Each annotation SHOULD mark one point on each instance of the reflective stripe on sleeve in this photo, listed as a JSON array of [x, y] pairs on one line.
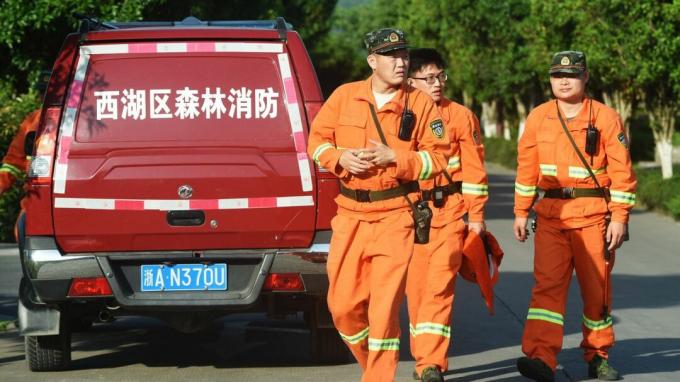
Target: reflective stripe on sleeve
[[525, 190], [319, 150], [454, 163], [426, 169], [6, 167], [356, 338], [378, 344], [545, 315], [475, 189], [597, 325], [548, 169], [622, 197]]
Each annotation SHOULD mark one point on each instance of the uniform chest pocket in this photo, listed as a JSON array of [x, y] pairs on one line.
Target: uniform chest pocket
[[351, 132], [546, 140], [392, 135]]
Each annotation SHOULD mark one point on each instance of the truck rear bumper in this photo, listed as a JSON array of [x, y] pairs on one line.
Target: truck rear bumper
[[50, 272]]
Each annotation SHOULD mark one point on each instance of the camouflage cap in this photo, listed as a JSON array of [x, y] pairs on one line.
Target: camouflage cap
[[385, 40], [569, 61]]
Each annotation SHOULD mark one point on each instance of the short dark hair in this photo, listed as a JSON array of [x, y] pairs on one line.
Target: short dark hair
[[419, 58]]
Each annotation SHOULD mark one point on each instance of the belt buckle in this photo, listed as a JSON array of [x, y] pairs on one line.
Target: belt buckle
[[568, 193], [363, 196]]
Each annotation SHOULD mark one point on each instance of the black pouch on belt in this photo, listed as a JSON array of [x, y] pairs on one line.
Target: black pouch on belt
[[422, 217]]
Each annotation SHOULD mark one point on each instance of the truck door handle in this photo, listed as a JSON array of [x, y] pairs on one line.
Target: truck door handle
[[186, 218]]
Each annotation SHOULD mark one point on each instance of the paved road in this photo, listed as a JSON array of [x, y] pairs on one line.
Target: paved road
[[250, 347]]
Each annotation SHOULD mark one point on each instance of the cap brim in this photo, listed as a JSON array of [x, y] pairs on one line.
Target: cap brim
[[391, 48], [567, 70]]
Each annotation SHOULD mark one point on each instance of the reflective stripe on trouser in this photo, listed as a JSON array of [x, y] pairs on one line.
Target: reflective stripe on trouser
[[370, 259], [558, 253], [429, 292]]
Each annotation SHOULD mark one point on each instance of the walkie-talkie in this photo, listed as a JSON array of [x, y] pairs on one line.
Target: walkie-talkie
[[592, 136]]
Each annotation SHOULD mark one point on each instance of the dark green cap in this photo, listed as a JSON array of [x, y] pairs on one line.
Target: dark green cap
[[569, 61], [385, 40]]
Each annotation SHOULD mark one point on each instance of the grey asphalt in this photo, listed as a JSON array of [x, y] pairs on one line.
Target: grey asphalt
[[646, 280]]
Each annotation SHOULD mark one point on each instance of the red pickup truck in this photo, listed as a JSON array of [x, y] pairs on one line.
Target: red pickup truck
[[170, 178]]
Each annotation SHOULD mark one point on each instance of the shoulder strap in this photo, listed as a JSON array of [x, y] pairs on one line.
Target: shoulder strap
[[573, 144], [376, 122], [377, 125]]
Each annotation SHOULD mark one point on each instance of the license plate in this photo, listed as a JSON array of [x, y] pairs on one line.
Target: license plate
[[183, 277]]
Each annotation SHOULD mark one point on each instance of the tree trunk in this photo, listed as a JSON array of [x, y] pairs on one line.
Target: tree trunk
[[489, 119], [662, 118], [665, 150], [522, 114], [468, 101], [623, 105]]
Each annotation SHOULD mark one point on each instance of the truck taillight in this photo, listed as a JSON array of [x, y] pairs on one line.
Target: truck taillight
[[89, 287], [286, 282], [40, 170]]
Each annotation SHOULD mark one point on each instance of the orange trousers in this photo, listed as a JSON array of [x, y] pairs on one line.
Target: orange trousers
[[558, 252], [367, 266], [430, 286]]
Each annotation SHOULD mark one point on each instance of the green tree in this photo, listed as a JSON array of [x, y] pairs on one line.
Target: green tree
[[659, 74]]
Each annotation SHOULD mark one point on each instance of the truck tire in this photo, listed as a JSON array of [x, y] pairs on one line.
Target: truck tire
[[48, 353], [328, 347]]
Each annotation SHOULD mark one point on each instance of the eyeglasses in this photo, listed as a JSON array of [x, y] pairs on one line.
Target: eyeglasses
[[442, 77]]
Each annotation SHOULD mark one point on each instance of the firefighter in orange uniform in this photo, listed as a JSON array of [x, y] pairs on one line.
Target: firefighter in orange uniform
[[373, 231], [431, 274], [15, 163], [581, 218]]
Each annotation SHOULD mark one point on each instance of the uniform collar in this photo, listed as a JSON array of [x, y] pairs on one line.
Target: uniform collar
[[583, 114], [444, 110], [365, 93]]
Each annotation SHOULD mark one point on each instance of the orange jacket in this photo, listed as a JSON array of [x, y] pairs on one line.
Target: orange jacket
[[466, 164], [547, 160], [345, 122], [15, 163]]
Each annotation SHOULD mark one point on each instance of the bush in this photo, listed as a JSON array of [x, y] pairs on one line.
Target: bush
[[501, 151], [659, 194]]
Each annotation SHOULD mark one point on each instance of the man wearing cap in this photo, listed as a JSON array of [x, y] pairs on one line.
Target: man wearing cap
[[373, 231], [581, 216], [461, 189]]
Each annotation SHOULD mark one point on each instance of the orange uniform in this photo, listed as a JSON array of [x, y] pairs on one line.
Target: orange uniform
[[431, 274], [570, 233], [15, 163], [372, 241]]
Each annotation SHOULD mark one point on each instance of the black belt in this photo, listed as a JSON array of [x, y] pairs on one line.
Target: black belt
[[449, 189], [365, 196], [572, 193]]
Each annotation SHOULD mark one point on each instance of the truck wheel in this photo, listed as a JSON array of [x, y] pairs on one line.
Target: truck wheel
[[47, 353], [328, 347]]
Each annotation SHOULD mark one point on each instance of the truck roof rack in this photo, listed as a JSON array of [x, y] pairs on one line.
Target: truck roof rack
[[89, 24]]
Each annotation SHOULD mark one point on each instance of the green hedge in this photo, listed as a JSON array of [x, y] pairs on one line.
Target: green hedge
[[501, 151], [659, 194]]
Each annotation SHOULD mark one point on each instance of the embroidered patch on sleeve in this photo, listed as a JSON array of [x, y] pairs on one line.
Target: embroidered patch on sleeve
[[623, 140], [476, 137], [437, 127]]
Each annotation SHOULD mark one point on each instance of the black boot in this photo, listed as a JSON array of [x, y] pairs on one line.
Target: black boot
[[431, 374], [535, 369], [599, 368]]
